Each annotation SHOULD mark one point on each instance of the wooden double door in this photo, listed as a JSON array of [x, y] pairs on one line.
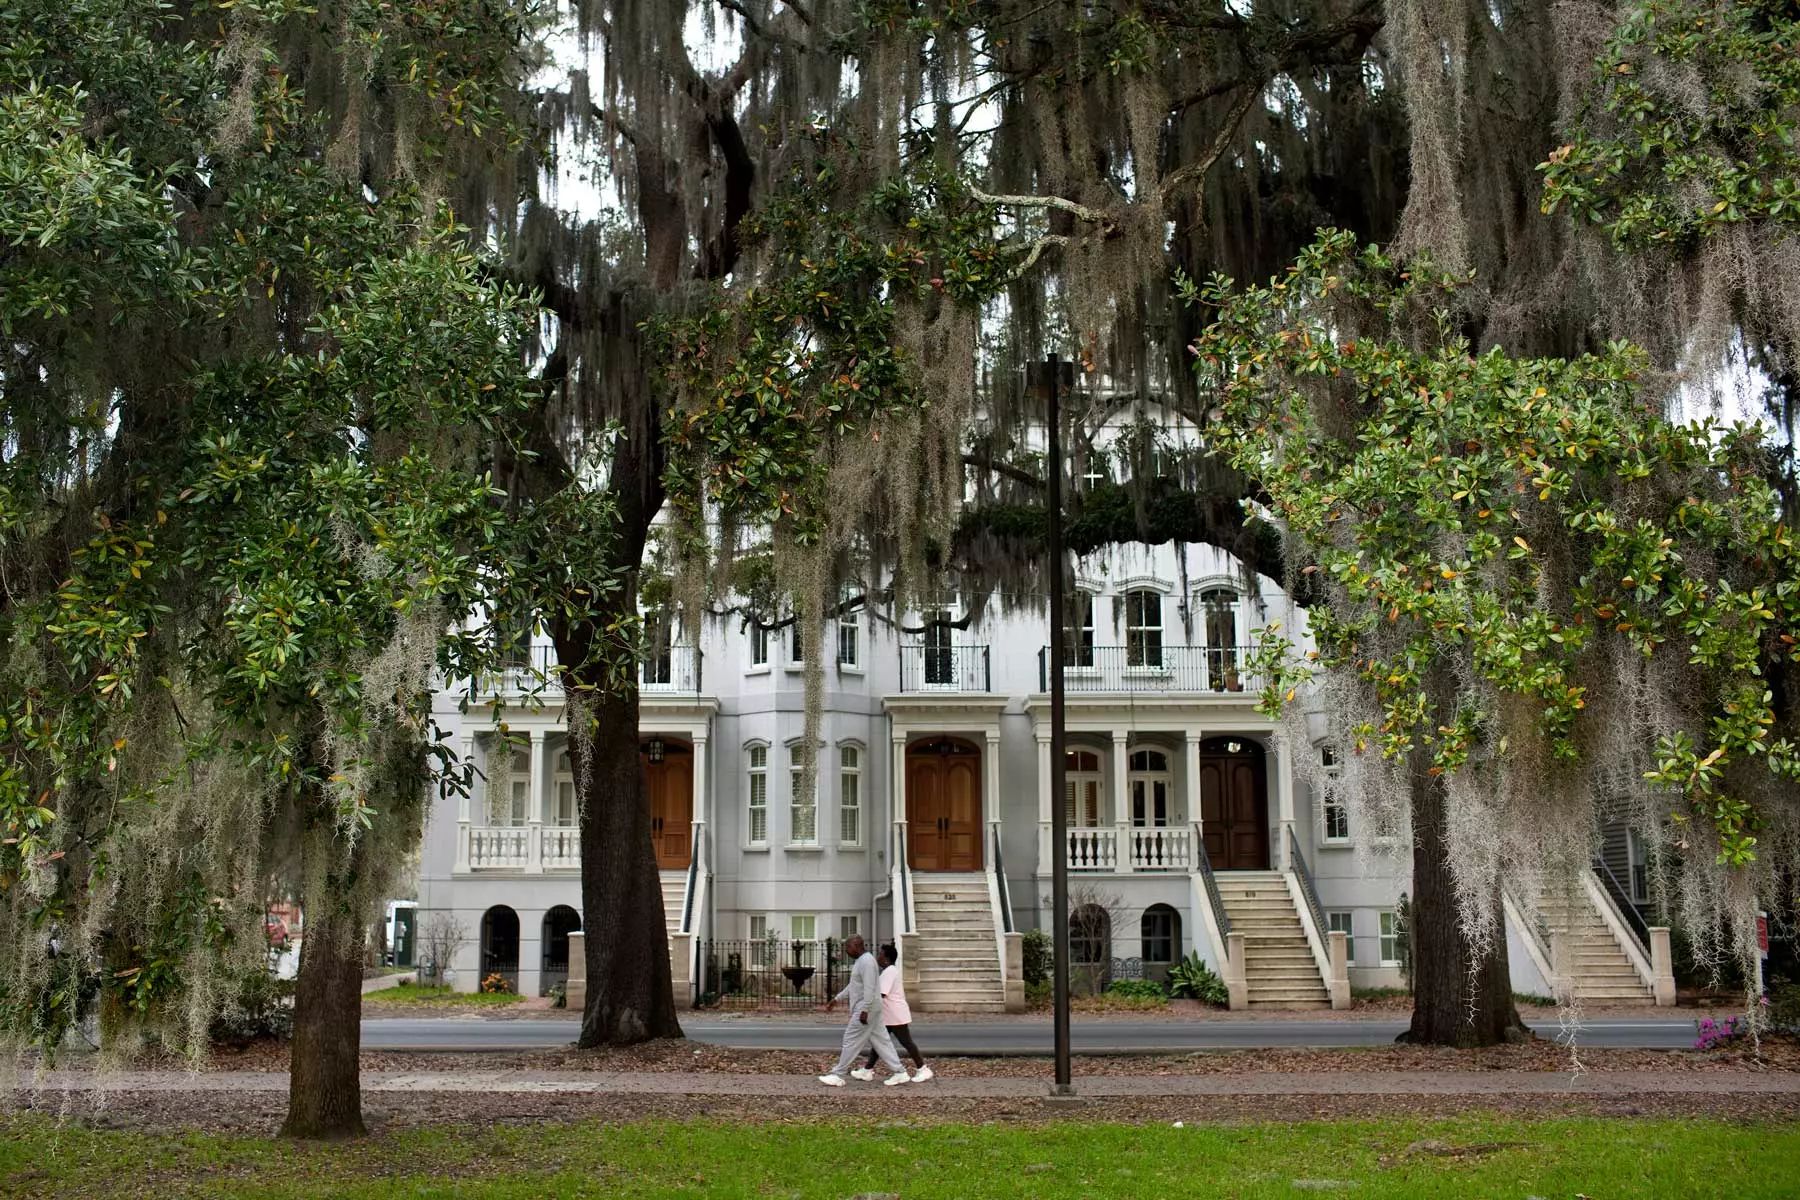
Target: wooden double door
[[1234, 804], [670, 784], [943, 806]]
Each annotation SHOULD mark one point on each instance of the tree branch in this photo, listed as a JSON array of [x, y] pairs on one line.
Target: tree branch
[[983, 462], [1221, 142], [1060, 203]]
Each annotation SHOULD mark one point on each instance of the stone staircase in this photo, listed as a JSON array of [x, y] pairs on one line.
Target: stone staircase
[[1279, 970], [674, 888], [957, 961], [1591, 954]]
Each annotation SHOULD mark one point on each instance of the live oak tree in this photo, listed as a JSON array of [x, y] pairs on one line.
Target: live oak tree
[[1542, 601], [250, 373]]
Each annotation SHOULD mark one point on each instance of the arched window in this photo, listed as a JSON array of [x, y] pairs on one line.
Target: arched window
[[1151, 787], [1090, 935], [1143, 628], [1160, 930], [756, 823], [1082, 788], [849, 795]]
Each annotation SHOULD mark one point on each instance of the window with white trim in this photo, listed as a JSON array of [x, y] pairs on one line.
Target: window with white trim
[[849, 926], [1150, 784], [759, 646], [849, 630], [1218, 622], [1159, 932], [568, 811], [849, 796], [1143, 628], [1334, 815], [803, 804], [803, 928], [510, 803], [763, 951], [757, 825], [1082, 788], [759, 927], [796, 644], [1390, 938], [940, 650], [1341, 921], [1078, 634], [1094, 470], [658, 666]]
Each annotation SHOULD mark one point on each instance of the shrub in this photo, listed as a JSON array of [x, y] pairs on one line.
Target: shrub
[[1041, 992], [1714, 1034], [559, 996], [497, 985], [1193, 979], [1039, 956], [1784, 1007], [1137, 989], [263, 1008]]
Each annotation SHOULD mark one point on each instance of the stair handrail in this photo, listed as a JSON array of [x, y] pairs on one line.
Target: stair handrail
[[693, 877], [1213, 899], [903, 903], [1303, 875], [1621, 901], [1006, 914]]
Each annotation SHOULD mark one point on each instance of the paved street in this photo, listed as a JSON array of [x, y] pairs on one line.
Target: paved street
[[1024, 1037]]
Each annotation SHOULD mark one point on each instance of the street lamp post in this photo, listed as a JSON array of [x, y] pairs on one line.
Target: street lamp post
[[1052, 376]]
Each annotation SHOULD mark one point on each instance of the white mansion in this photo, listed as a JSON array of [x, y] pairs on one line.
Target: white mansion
[[1190, 829]]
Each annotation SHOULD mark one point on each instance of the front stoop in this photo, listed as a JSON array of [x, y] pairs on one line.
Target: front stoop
[[956, 961], [1279, 970]]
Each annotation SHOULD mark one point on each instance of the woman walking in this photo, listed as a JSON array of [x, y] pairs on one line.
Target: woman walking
[[896, 1015]]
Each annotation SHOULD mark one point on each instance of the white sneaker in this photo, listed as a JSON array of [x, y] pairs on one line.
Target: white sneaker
[[922, 1074], [832, 1080], [862, 1073], [897, 1080]]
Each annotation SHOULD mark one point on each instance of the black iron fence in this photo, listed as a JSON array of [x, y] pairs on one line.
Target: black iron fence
[[774, 973]]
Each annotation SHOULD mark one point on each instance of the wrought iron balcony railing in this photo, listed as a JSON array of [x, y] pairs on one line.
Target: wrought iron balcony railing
[[1151, 666]]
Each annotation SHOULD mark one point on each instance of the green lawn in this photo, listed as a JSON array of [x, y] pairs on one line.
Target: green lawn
[[416, 995], [1472, 1156]]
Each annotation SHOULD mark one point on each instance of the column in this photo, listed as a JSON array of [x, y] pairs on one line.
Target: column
[[1046, 864], [897, 770], [1191, 788], [1121, 803], [463, 803], [1284, 791], [703, 801], [990, 777], [540, 789]]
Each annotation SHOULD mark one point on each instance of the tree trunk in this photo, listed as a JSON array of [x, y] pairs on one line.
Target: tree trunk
[[1456, 1000], [324, 1078], [629, 996]]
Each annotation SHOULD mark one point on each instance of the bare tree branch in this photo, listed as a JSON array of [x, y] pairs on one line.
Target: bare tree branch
[[1196, 170], [982, 462]]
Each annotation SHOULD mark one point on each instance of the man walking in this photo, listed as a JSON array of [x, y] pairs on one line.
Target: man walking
[[865, 1028]]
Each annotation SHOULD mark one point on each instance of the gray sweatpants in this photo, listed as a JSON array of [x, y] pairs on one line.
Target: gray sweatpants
[[858, 1037]]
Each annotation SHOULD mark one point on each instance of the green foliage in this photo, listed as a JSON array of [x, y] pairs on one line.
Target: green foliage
[[1138, 989], [252, 379], [1192, 979], [1701, 127], [1525, 519], [1039, 956]]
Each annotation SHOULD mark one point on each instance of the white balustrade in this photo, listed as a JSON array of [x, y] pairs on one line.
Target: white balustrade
[[562, 848], [1163, 849], [498, 848], [1093, 849]]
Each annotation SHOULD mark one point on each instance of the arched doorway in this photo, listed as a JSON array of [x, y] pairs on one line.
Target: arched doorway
[[559, 923], [500, 945], [1234, 804], [1159, 929], [669, 783], [943, 805]]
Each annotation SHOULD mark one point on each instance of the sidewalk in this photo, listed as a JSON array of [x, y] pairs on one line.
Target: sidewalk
[[701, 1083]]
